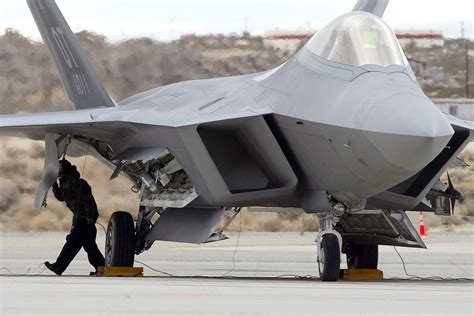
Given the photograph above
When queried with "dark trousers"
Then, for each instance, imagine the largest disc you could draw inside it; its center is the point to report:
(82, 235)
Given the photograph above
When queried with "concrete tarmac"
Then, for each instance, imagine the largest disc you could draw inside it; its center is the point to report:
(255, 277)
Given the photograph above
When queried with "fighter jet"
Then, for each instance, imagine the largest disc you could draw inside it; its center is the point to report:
(341, 130)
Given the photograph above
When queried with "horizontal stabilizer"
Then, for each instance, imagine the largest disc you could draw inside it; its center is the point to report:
(376, 7)
(83, 86)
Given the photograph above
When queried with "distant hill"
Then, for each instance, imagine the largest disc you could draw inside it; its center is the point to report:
(28, 79)
(442, 70)
(29, 82)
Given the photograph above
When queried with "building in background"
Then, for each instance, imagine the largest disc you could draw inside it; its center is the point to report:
(461, 108)
(290, 39)
(420, 38)
(287, 40)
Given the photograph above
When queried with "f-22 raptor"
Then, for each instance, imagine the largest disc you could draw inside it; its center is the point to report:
(341, 130)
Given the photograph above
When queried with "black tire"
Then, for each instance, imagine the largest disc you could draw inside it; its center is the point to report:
(362, 256)
(329, 262)
(120, 241)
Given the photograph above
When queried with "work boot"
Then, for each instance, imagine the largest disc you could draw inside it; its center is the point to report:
(51, 267)
(99, 271)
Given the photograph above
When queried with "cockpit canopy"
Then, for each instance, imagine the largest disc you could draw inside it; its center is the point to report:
(358, 39)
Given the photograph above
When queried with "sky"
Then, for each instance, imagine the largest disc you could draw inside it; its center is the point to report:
(169, 19)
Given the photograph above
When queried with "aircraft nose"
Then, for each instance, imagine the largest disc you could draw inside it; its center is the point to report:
(408, 130)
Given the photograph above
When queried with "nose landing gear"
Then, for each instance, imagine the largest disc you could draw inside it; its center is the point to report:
(329, 250)
(361, 256)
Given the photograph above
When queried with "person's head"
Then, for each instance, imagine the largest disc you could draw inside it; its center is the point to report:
(67, 169)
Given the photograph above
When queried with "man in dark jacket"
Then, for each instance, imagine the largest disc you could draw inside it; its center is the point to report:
(77, 195)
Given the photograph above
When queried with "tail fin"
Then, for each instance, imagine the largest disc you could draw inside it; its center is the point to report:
(376, 7)
(77, 75)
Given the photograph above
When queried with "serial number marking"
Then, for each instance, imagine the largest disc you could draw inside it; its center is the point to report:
(81, 85)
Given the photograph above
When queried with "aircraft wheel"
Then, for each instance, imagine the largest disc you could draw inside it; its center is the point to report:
(362, 256)
(329, 261)
(120, 241)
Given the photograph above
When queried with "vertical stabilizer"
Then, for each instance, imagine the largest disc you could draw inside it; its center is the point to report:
(77, 75)
(376, 7)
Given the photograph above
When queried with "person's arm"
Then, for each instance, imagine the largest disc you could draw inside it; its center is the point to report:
(57, 192)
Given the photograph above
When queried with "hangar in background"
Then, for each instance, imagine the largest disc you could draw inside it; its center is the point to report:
(461, 108)
(290, 39)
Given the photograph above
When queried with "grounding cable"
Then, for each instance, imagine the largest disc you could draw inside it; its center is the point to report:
(236, 248)
(431, 278)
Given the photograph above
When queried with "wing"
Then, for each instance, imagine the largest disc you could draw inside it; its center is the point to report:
(35, 126)
(376, 7)
(77, 75)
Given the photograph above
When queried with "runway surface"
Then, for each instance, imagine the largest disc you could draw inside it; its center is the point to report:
(254, 289)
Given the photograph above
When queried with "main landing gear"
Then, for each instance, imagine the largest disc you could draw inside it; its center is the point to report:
(361, 256)
(120, 241)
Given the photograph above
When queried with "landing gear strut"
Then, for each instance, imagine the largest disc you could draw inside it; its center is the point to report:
(143, 227)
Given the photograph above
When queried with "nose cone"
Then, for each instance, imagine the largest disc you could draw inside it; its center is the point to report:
(408, 130)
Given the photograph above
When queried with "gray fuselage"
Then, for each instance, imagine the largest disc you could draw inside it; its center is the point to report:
(351, 131)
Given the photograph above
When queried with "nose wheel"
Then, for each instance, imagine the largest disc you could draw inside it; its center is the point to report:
(329, 250)
(120, 241)
(329, 258)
